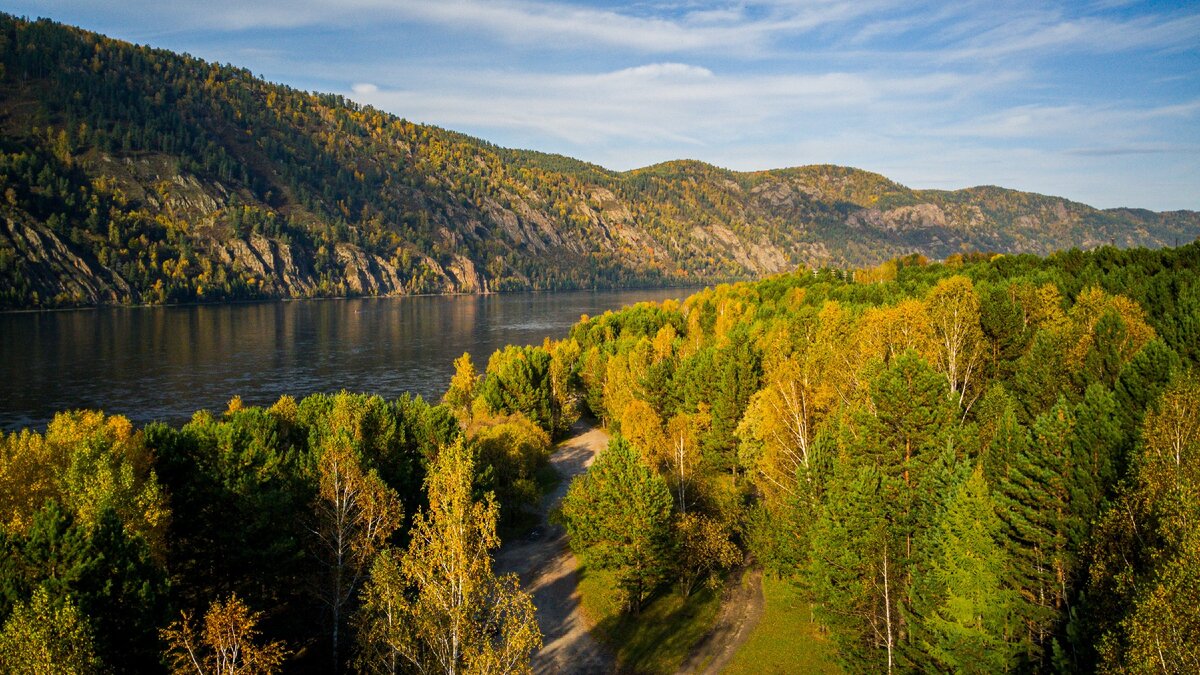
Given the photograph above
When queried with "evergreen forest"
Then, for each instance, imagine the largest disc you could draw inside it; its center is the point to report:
(987, 464)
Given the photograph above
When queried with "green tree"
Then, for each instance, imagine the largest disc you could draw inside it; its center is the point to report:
(44, 638)
(737, 369)
(519, 379)
(107, 572)
(1140, 383)
(971, 626)
(618, 517)
(1034, 499)
(854, 572)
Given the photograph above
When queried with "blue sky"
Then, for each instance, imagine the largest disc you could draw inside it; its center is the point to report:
(1095, 101)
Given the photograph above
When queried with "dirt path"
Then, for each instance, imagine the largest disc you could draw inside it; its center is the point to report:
(549, 571)
(741, 610)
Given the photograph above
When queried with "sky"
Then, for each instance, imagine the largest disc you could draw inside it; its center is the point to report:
(1095, 101)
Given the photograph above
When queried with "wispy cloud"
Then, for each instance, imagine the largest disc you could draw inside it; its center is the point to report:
(657, 100)
(1036, 32)
(1101, 120)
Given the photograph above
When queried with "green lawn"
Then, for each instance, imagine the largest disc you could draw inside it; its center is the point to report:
(786, 640)
(660, 638)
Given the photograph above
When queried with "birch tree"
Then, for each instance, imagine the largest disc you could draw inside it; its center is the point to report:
(439, 608)
(228, 645)
(953, 309)
(355, 513)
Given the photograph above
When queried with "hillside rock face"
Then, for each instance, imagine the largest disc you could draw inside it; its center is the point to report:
(132, 175)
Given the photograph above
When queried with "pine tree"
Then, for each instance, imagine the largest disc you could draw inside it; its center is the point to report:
(854, 572)
(618, 516)
(1140, 383)
(1096, 444)
(1034, 500)
(971, 627)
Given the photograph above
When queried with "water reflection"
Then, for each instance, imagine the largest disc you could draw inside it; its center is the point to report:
(165, 363)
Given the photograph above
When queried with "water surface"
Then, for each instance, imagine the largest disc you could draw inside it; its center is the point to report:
(164, 363)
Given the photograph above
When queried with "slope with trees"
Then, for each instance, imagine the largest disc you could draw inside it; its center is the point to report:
(135, 175)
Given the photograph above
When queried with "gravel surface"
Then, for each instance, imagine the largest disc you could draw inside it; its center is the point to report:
(549, 571)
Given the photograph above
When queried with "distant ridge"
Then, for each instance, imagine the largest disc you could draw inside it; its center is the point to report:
(133, 175)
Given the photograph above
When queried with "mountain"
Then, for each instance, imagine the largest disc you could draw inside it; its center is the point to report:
(130, 175)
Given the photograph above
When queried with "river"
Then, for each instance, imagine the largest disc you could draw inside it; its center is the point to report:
(164, 363)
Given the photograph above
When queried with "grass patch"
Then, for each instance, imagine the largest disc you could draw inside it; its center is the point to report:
(661, 637)
(787, 640)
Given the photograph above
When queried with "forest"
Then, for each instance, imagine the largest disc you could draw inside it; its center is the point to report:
(988, 464)
(133, 175)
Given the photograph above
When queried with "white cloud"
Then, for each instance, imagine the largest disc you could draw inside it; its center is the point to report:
(364, 88)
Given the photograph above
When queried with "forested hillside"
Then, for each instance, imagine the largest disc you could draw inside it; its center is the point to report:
(134, 175)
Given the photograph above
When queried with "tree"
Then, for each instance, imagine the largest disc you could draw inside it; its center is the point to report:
(737, 372)
(618, 516)
(682, 453)
(1163, 631)
(44, 638)
(88, 463)
(970, 629)
(510, 450)
(229, 644)
(853, 570)
(440, 608)
(778, 431)
(355, 515)
(1140, 383)
(107, 572)
(704, 550)
(1172, 427)
(954, 314)
(1151, 553)
(519, 379)
(1034, 504)
(463, 384)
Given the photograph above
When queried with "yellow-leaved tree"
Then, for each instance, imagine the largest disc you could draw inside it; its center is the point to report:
(438, 607)
(228, 645)
(355, 514)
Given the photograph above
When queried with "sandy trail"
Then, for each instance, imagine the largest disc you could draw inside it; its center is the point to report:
(741, 610)
(550, 573)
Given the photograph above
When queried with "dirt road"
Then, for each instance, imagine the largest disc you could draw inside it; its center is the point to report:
(549, 571)
(741, 610)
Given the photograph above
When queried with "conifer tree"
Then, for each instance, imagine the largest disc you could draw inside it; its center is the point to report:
(855, 573)
(1034, 501)
(618, 516)
(1140, 383)
(970, 628)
